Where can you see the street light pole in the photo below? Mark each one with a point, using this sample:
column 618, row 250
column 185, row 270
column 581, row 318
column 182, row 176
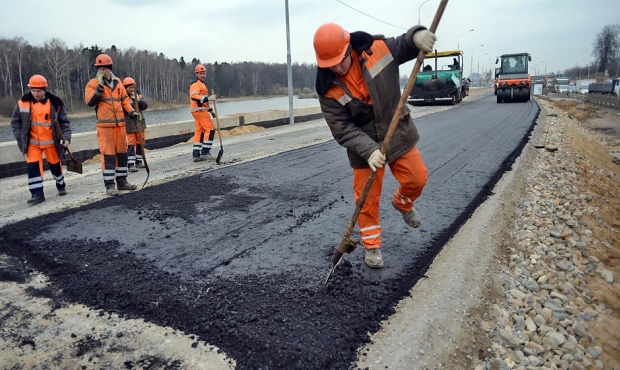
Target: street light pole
column 420, row 8
column 471, row 62
column 542, row 61
column 458, row 46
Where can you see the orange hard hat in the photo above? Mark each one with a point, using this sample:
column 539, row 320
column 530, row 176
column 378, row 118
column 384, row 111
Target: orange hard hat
column 103, row 60
column 200, row 68
column 331, row 43
column 128, row 81
column 37, row 82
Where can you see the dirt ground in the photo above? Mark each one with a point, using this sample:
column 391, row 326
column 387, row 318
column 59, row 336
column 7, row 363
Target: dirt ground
column 443, row 325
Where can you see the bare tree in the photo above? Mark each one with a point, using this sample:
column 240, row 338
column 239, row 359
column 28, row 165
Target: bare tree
column 606, row 46
column 21, row 46
column 58, row 61
column 7, row 48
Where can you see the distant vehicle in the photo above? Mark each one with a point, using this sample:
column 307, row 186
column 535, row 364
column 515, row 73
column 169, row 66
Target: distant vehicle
column 561, row 81
column 513, row 81
column 605, row 88
column 584, row 82
column 583, row 89
column 572, row 89
column 435, row 84
column 562, row 89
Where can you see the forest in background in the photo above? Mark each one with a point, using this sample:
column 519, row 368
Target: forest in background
column 158, row 77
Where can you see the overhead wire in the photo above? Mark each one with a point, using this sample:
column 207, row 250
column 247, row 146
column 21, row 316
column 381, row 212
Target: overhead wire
column 382, row 21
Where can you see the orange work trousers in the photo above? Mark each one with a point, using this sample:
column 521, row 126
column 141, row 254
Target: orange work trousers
column 35, row 154
column 133, row 138
column 204, row 124
column 411, row 174
column 111, row 142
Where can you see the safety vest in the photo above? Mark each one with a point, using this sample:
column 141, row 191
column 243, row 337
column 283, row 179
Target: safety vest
column 198, row 90
column 40, row 122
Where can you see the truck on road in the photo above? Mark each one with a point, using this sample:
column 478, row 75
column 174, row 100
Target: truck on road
column 605, row 88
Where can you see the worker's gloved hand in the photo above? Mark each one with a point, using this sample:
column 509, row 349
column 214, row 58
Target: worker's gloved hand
column 100, row 78
column 210, row 110
column 64, row 143
column 424, row 40
column 137, row 116
column 376, row 160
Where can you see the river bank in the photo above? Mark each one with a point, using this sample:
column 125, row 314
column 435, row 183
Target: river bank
column 157, row 105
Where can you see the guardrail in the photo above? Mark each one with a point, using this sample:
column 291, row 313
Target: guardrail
column 598, row 99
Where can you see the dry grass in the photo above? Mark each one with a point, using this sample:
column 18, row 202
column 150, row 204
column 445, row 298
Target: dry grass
column 599, row 176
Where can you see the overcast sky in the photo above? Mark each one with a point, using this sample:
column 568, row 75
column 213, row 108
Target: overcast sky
column 559, row 32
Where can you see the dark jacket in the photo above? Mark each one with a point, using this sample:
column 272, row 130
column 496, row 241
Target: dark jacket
column 130, row 122
column 356, row 125
column 20, row 122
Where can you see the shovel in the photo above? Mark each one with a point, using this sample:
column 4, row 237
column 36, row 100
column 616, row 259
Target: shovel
column 219, row 134
column 347, row 245
column 73, row 164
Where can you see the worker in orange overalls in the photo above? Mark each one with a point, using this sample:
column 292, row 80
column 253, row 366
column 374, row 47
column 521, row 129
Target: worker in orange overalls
column 108, row 95
column 358, row 86
column 33, row 126
column 199, row 105
column 134, row 128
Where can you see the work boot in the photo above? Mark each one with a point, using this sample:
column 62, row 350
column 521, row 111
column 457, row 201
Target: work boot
column 199, row 159
column 111, row 190
column 36, row 199
column 140, row 164
column 133, row 169
column 122, row 184
column 411, row 218
column 207, row 156
column 373, row 258
column 62, row 191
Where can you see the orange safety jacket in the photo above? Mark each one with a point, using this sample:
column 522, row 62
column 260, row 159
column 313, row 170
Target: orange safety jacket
column 360, row 122
column 197, row 91
column 109, row 102
column 33, row 122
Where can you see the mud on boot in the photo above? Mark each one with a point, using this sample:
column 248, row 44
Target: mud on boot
column 133, row 169
column 62, row 191
column 206, row 157
column 373, row 258
column 122, row 184
column 36, row 199
column 140, row 165
column 411, row 218
column 111, row 190
column 199, row 159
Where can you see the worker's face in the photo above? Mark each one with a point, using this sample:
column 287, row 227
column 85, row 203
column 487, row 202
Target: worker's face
column 343, row 67
column 130, row 89
column 38, row 94
column 106, row 71
column 201, row 75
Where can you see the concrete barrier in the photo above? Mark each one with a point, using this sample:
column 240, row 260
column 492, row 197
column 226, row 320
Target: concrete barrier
column 85, row 145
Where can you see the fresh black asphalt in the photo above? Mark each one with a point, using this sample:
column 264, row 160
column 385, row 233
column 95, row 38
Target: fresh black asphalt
column 236, row 255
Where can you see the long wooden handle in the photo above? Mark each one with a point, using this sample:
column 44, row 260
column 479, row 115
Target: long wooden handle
column 62, row 136
column 217, row 120
column 411, row 80
column 393, row 124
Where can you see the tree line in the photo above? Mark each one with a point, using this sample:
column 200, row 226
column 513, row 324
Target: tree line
column 158, row 77
column 606, row 53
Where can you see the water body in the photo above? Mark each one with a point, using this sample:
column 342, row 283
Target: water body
column 225, row 108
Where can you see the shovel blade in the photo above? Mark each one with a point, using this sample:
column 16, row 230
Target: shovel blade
column 219, row 156
column 74, row 166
